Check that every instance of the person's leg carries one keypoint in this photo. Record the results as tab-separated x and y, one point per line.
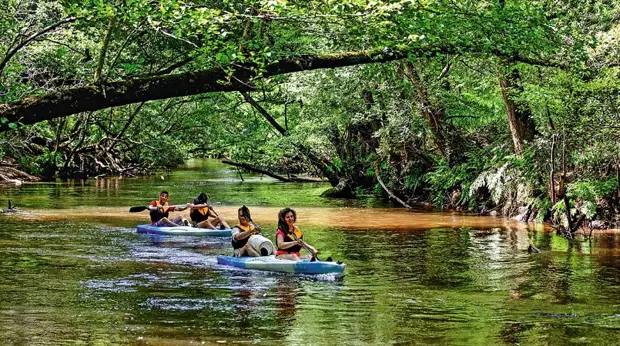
180	220
219	222
223	222
289	257
184	221
164	222
205	224
249	250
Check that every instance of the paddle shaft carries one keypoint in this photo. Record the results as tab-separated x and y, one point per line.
305	246
140	208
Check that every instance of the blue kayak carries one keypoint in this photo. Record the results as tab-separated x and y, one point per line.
184	230
270	263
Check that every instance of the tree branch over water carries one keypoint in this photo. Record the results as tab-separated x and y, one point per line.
112	94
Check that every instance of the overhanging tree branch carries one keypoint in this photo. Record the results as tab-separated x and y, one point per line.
112	94
32	37
328	170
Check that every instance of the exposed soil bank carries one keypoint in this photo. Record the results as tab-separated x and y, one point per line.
9	174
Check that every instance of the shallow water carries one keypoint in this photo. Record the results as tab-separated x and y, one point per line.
73	271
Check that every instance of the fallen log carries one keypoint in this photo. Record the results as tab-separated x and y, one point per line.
273	175
11	175
392	195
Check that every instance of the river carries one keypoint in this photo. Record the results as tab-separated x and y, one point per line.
74	271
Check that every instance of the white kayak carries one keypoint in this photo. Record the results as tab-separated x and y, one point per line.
184	230
270	263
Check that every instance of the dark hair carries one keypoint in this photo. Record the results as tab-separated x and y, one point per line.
161	193
201	199
245	212
282	225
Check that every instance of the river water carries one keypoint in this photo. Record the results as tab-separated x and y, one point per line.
74	271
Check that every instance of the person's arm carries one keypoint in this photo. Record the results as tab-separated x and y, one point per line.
241	234
153	205
182	208
285	244
310	248
212	213
234	232
307	246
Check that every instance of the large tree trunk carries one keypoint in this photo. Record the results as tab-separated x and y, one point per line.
522	127
446	137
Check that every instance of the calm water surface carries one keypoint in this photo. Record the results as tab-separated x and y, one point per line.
73	271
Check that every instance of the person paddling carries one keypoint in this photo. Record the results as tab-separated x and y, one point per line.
200	211
160	209
289	237
242	232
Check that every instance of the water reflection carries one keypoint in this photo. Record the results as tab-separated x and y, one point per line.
446	285
81	274
286	293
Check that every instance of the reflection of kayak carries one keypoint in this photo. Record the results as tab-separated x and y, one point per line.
270	263
183	230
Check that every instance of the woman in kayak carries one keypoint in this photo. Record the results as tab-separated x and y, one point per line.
242	232
289	237
160	209
200	211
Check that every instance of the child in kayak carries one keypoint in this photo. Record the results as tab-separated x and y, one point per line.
200	211
289	237
160	209
242	232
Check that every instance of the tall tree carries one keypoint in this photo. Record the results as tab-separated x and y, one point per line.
522	127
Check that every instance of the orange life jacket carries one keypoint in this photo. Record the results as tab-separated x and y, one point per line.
199	214
289	237
238	244
160	213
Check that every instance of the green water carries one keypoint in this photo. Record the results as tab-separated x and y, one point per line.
77	280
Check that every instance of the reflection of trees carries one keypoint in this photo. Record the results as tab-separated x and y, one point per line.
436	257
552	272
607	272
446	257
513	333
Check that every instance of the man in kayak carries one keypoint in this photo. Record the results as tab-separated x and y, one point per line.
289	237
200	211
160	209
242	232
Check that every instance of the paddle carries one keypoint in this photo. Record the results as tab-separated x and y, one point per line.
306	246
143	208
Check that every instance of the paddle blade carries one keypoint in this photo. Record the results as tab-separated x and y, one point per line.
137	209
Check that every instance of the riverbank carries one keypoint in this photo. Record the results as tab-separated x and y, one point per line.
11	175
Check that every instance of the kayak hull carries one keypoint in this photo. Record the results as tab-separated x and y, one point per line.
183	230
270	263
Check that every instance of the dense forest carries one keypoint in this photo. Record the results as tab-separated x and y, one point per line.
493	106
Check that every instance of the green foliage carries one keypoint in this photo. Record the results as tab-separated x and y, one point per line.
591	190
543	205
444	179
350	118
